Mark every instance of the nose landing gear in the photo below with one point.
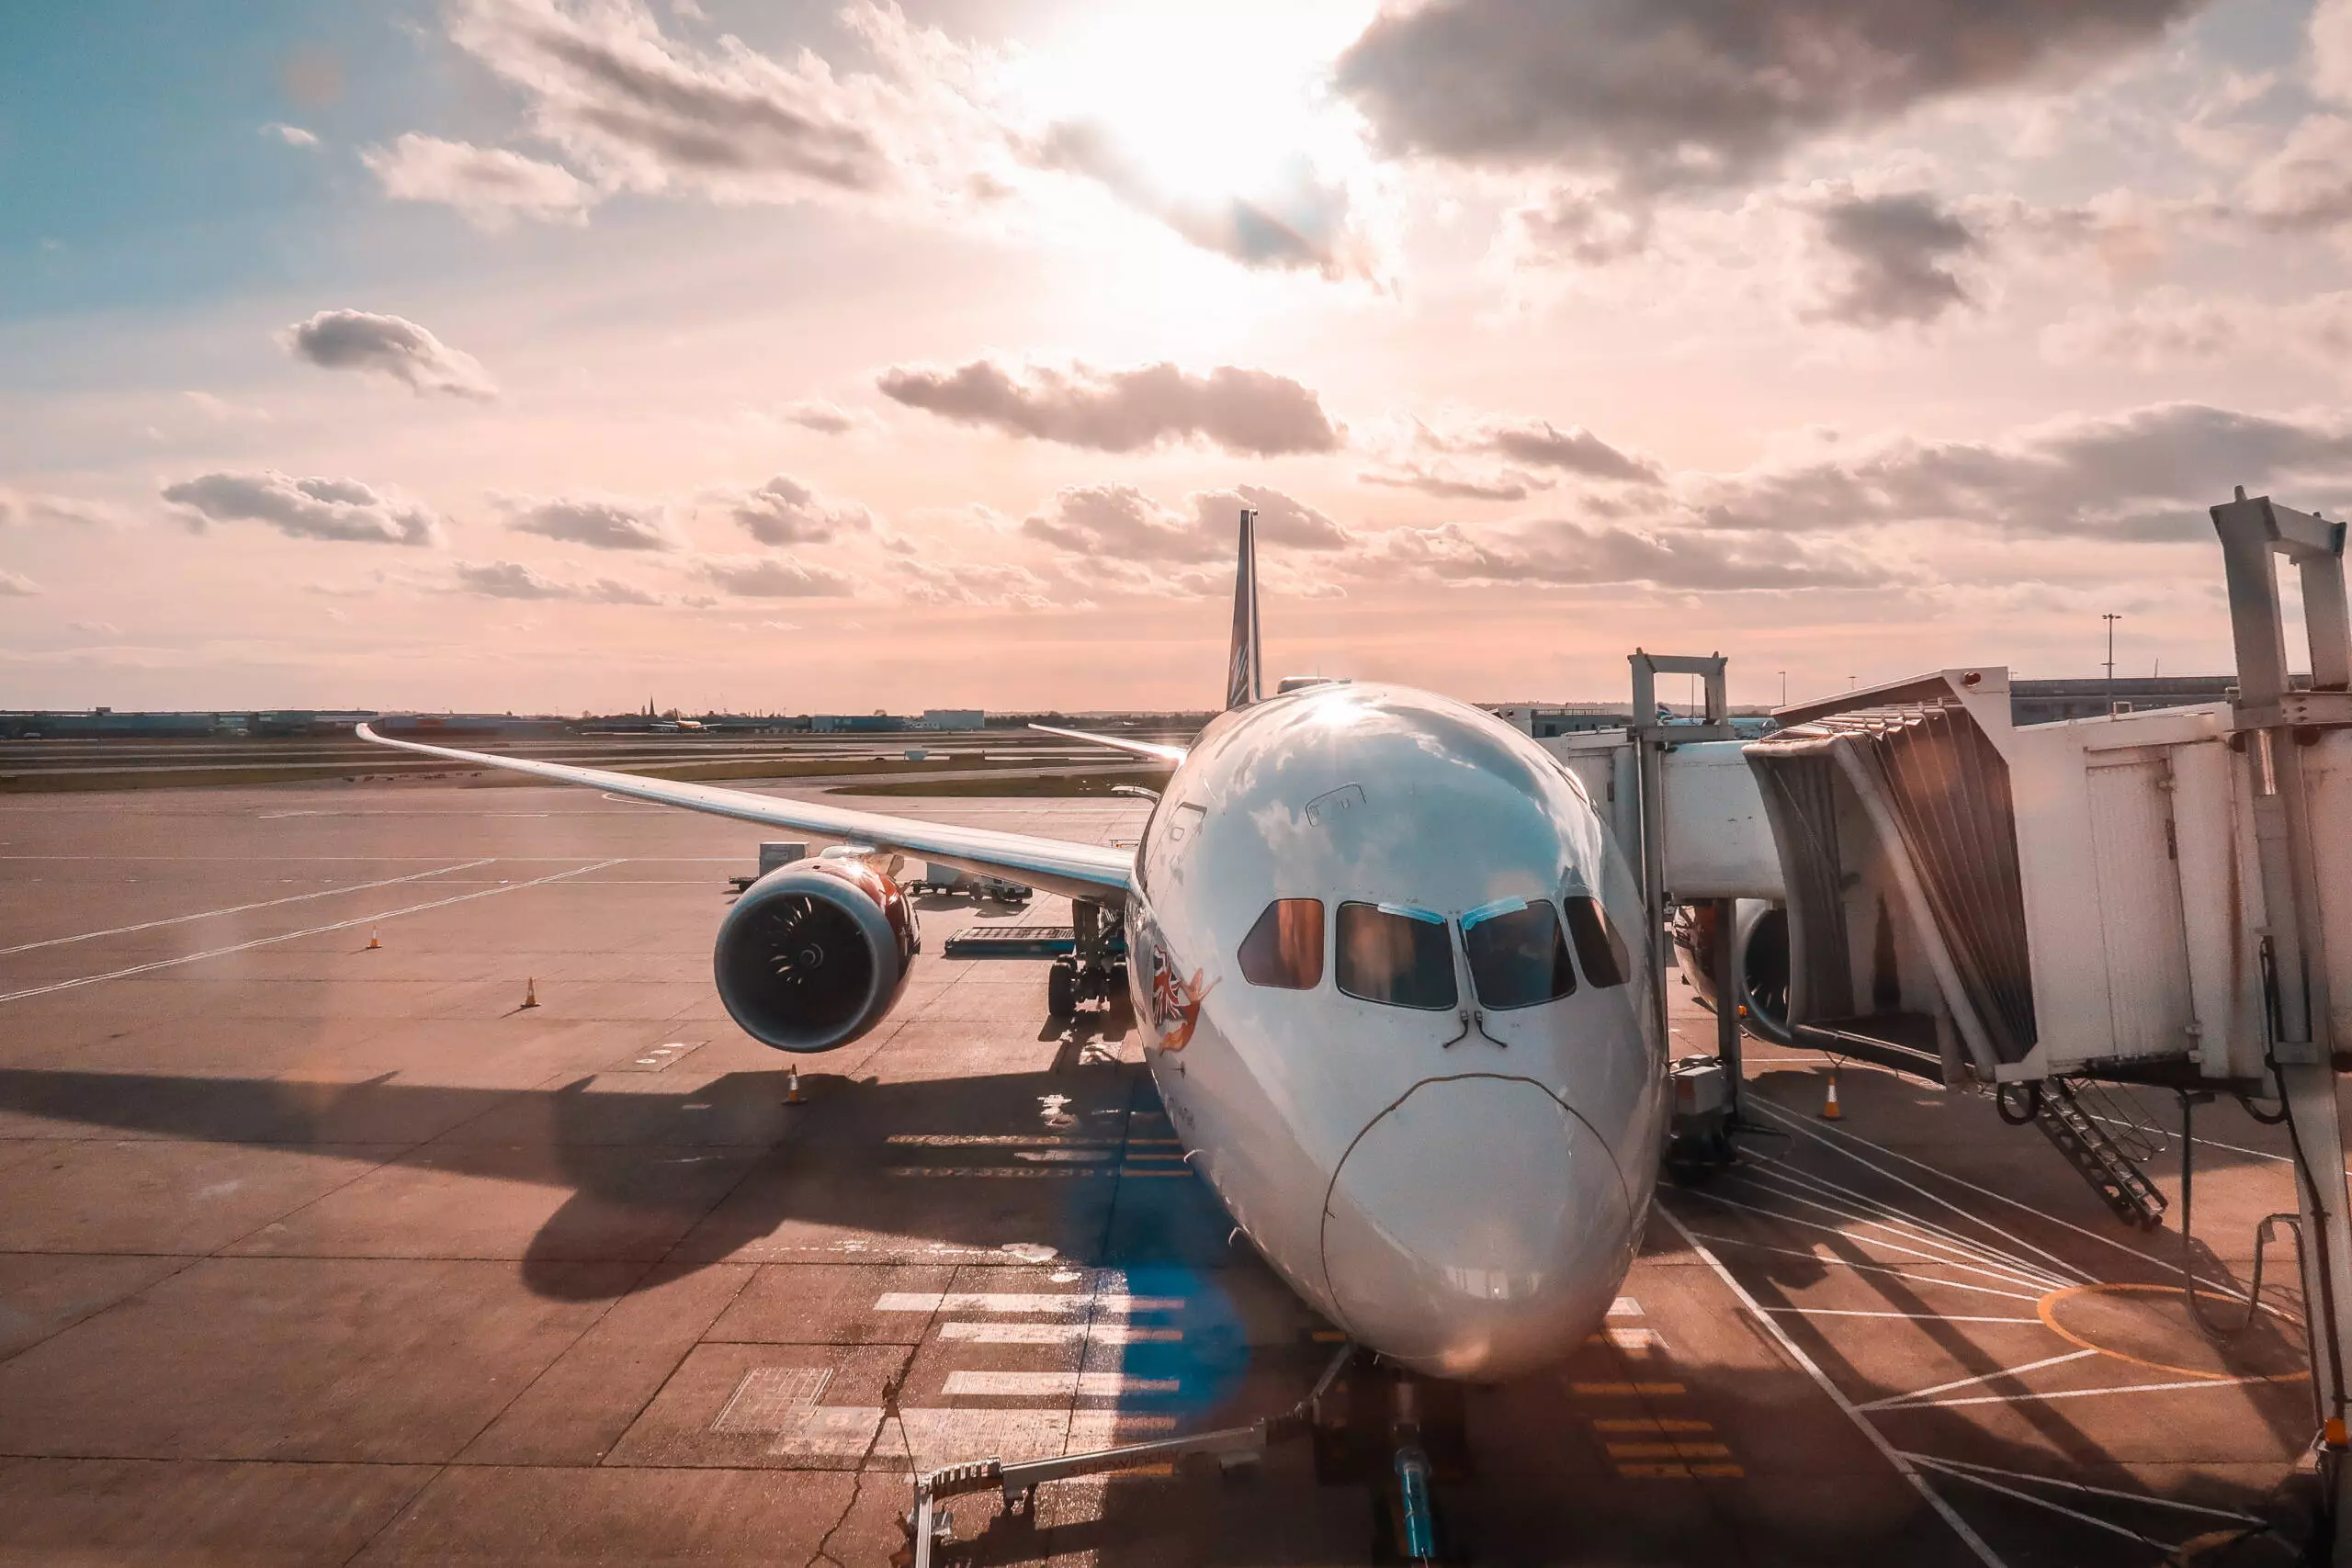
(1402, 1438)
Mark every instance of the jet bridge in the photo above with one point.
(2158, 898)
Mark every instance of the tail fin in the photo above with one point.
(1245, 677)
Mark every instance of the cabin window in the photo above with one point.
(1599, 947)
(1518, 956)
(1402, 957)
(1285, 949)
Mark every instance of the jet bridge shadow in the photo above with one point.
(726, 1166)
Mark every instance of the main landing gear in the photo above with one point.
(1095, 969)
(1370, 1423)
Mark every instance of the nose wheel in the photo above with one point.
(1403, 1440)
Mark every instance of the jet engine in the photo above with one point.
(814, 954)
(1759, 936)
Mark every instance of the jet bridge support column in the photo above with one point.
(2271, 723)
(1651, 739)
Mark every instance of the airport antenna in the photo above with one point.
(2110, 618)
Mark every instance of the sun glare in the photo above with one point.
(1210, 99)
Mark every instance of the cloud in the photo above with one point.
(973, 583)
(1581, 224)
(1449, 482)
(646, 111)
(1119, 522)
(292, 135)
(342, 510)
(2330, 57)
(1299, 221)
(1584, 555)
(23, 509)
(1124, 411)
(2172, 326)
(2147, 475)
(511, 580)
(1660, 94)
(1575, 450)
(1281, 520)
(389, 346)
(1519, 445)
(786, 512)
(826, 418)
(2307, 182)
(13, 586)
(776, 577)
(491, 186)
(1893, 252)
(599, 525)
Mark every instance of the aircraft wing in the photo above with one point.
(1077, 871)
(1159, 753)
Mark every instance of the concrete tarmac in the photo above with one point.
(320, 1252)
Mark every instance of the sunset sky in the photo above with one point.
(540, 356)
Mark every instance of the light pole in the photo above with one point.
(2110, 618)
(1785, 688)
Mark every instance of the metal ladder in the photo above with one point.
(2119, 1183)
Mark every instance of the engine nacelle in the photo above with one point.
(1759, 936)
(814, 954)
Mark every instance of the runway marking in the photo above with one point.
(929, 1302)
(1651, 1423)
(1795, 1352)
(2060, 1266)
(2208, 1143)
(1920, 1394)
(1621, 1390)
(1823, 1137)
(1000, 1140)
(1624, 1306)
(1668, 1451)
(1641, 1341)
(1909, 1316)
(1680, 1472)
(982, 1172)
(1863, 1268)
(2094, 1491)
(1058, 1333)
(2005, 1276)
(1054, 1385)
(2087, 1393)
(315, 930)
(1947, 1468)
(241, 908)
(1902, 1221)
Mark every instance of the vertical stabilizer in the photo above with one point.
(1244, 668)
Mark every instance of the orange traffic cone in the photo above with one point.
(531, 1000)
(792, 1095)
(1829, 1112)
(374, 942)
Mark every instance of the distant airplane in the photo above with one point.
(1375, 957)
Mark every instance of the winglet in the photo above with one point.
(1245, 678)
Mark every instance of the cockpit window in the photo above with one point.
(1599, 947)
(1518, 956)
(1285, 947)
(1399, 956)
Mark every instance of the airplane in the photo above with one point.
(1378, 963)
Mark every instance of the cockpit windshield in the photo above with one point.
(1518, 956)
(1402, 957)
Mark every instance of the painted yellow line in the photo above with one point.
(1652, 1423)
(1668, 1451)
(1614, 1390)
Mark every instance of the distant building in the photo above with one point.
(954, 718)
(1545, 723)
(855, 723)
(2048, 702)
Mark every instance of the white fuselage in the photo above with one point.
(1458, 1175)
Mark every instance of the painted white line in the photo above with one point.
(1055, 1385)
(1943, 1260)
(1000, 1140)
(2092, 1519)
(2081, 1486)
(376, 918)
(2087, 1393)
(241, 908)
(1624, 1306)
(1057, 1333)
(928, 1302)
(1909, 1472)
(2063, 1268)
(1867, 1214)
(1907, 1316)
(1920, 1393)
(1867, 1267)
(2208, 1143)
(1892, 1214)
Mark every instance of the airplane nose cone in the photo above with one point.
(1476, 1229)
